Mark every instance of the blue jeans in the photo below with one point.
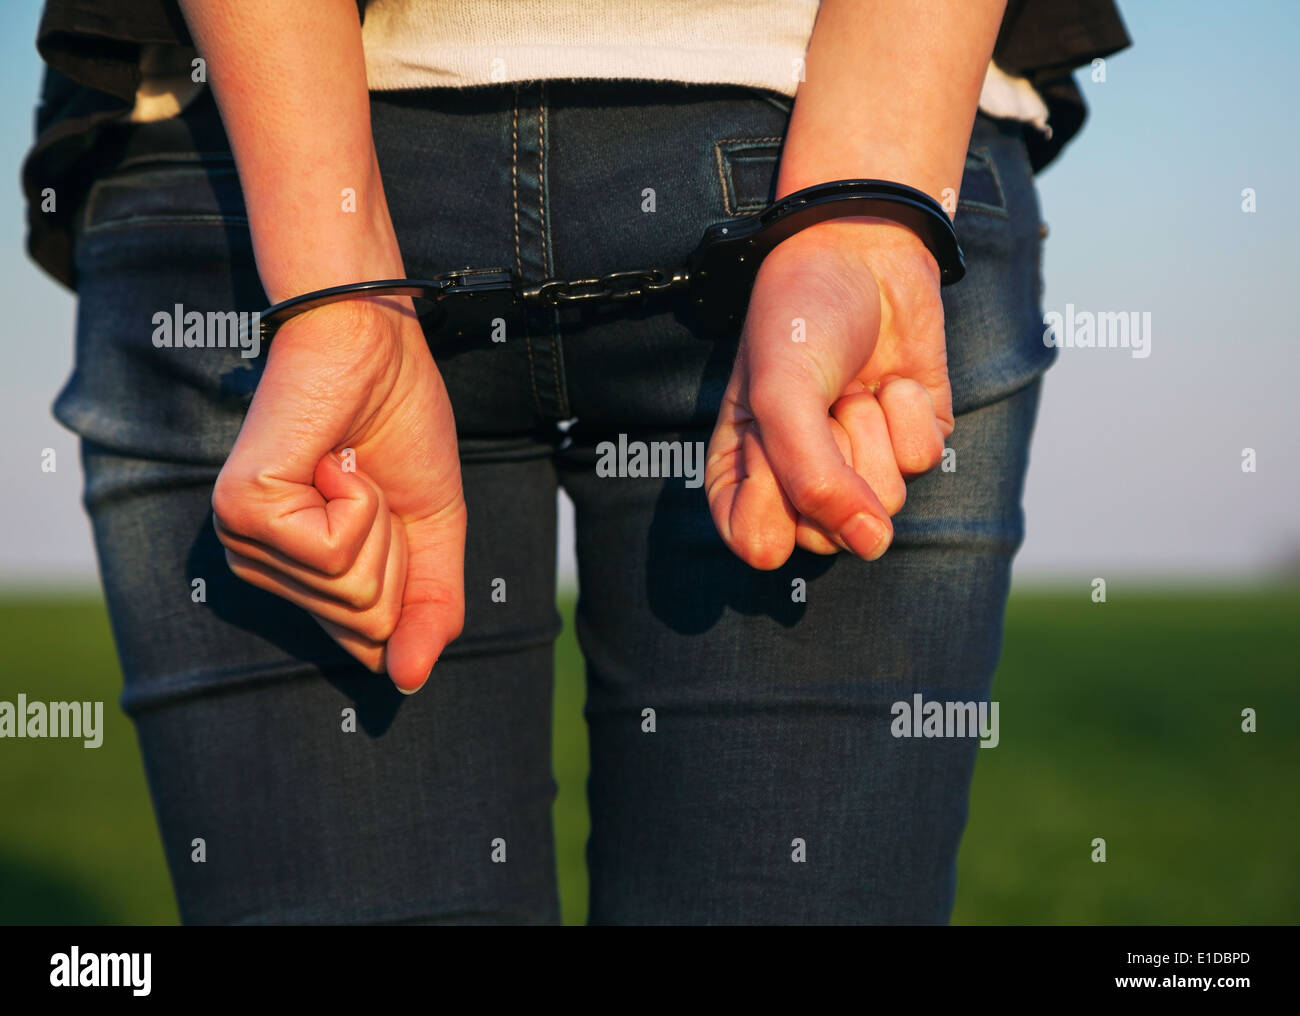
(772, 712)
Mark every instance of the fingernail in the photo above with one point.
(866, 536)
(412, 691)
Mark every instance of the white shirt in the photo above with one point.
(758, 43)
(461, 43)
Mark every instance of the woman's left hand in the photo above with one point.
(839, 394)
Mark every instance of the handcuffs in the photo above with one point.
(718, 275)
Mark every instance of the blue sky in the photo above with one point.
(1136, 465)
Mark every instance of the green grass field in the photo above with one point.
(1119, 720)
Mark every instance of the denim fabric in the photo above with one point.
(773, 716)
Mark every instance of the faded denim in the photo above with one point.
(772, 716)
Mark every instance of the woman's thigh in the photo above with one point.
(769, 783)
(290, 784)
(745, 758)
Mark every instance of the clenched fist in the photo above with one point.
(839, 393)
(342, 493)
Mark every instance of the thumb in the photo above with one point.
(433, 600)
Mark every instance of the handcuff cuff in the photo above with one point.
(718, 275)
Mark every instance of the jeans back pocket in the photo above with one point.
(747, 169)
(169, 190)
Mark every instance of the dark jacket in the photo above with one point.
(92, 49)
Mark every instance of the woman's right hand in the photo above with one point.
(342, 493)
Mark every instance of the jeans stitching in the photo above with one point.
(175, 160)
(541, 176)
(724, 177)
(519, 263)
(514, 178)
(213, 219)
(546, 258)
(144, 166)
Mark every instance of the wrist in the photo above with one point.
(305, 239)
(874, 243)
(363, 344)
(803, 166)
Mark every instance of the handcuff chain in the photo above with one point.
(720, 272)
(630, 284)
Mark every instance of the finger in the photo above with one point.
(940, 392)
(798, 441)
(914, 430)
(359, 587)
(753, 516)
(368, 653)
(322, 526)
(871, 451)
(724, 462)
(808, 534)
(724, 468)
(811, 537)
(432, 598)
(376, 623)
